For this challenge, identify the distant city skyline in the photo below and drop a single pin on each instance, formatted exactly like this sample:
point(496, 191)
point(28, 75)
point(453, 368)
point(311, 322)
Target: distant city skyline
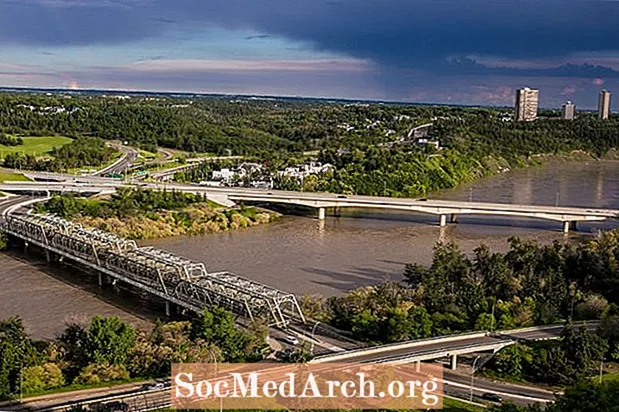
point(351, 49)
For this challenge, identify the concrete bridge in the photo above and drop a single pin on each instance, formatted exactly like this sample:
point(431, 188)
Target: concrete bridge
point(449, 346)
point(445, 210)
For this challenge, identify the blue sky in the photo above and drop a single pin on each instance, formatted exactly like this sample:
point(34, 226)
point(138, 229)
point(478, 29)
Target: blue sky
point(445, 51)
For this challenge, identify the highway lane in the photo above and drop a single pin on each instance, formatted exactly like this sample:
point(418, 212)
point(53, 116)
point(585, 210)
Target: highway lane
point(138, 399)
point(122, 164)
point(427, 349)
point(335, 200)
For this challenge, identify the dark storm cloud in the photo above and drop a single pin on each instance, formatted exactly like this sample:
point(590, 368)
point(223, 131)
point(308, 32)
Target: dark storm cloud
point(75, 22)
point(395, 33)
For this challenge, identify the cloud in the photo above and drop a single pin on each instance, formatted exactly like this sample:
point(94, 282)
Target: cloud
point(569, 91)
point(257, 36)
point(401, 33)
point(312, 66)
point(402, 49)
point(598, 82)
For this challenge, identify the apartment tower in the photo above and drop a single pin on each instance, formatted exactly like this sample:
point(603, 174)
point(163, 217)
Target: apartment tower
point(526, 104)
point(568, 111)
point(604, 105)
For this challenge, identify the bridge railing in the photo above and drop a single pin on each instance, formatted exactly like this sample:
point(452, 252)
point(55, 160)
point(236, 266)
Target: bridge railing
point(397, 346)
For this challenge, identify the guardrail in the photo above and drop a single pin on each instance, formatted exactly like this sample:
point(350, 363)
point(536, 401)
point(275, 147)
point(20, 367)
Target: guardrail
point(399, 345)
point(511, 332)
point(439, 353)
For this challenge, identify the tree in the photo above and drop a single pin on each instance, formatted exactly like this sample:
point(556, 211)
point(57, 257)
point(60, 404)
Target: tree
point(108, 340)
point(217, 327)
point(41, 377)
point(17, 351)
point(589, 397)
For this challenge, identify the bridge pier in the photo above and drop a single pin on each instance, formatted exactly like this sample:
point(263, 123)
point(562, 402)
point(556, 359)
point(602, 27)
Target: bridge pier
point(454, 218)
point(454, 362)
point(442, 220)
point(337, 212)
point(100, 276)
point(567, 226)
point(167, 308)
point(418, 366)
point(321, 213)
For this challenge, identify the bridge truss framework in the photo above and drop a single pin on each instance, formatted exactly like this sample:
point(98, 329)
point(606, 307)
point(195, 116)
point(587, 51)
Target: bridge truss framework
point(170, 277)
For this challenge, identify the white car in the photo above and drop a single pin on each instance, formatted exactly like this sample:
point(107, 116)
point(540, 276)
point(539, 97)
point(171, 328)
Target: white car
point(291, 340)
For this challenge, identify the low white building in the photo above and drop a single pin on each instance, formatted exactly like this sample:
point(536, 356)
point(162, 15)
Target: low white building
point(225, 175)
point(306, 169)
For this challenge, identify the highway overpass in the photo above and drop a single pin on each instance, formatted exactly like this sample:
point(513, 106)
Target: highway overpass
point(444, 210)
point(447, 346)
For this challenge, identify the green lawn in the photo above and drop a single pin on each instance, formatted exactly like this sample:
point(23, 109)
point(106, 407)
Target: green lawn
point(450, 404)
point(38, 146)
point(609, 377)
point(13, 177)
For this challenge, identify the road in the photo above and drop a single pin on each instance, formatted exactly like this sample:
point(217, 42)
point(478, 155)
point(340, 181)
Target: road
point(122, 164)
point(445, 346)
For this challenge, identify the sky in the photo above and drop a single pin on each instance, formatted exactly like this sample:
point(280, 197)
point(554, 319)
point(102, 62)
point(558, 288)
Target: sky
point(475, 52)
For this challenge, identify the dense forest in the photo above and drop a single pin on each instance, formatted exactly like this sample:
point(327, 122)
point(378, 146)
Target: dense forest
point(254, 127)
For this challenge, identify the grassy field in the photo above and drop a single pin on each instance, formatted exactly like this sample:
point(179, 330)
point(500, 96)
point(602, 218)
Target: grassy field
point(13, 177)
point(38, 146)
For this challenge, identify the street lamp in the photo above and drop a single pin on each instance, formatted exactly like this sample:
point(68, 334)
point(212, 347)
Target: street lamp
point(313, 337)
point(472, 378)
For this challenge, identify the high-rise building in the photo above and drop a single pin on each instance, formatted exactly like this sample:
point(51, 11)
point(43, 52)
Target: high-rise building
point(526, 104)
point(604, 104)
point(568, 111)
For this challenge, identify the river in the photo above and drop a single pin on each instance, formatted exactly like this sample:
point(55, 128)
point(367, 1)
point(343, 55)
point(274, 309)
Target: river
point(305, 256)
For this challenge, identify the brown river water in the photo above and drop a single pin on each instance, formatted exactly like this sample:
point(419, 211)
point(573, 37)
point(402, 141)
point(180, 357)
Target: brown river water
point(299, 254)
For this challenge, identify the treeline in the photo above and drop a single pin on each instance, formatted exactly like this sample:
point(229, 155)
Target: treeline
point(529, 285)
point(7, 140)
point(201, 125)
point(486, 135)
point(110, 350)
point(83, 151)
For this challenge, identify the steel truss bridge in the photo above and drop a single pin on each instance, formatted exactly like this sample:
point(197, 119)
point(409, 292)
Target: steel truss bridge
point(170, 277)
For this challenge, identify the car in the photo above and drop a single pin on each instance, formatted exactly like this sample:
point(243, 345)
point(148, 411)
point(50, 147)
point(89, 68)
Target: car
point(422, 199)
point(115, 406)
point(492, 397)
point(155, 386)
point(342, 197)
point(291, 340)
